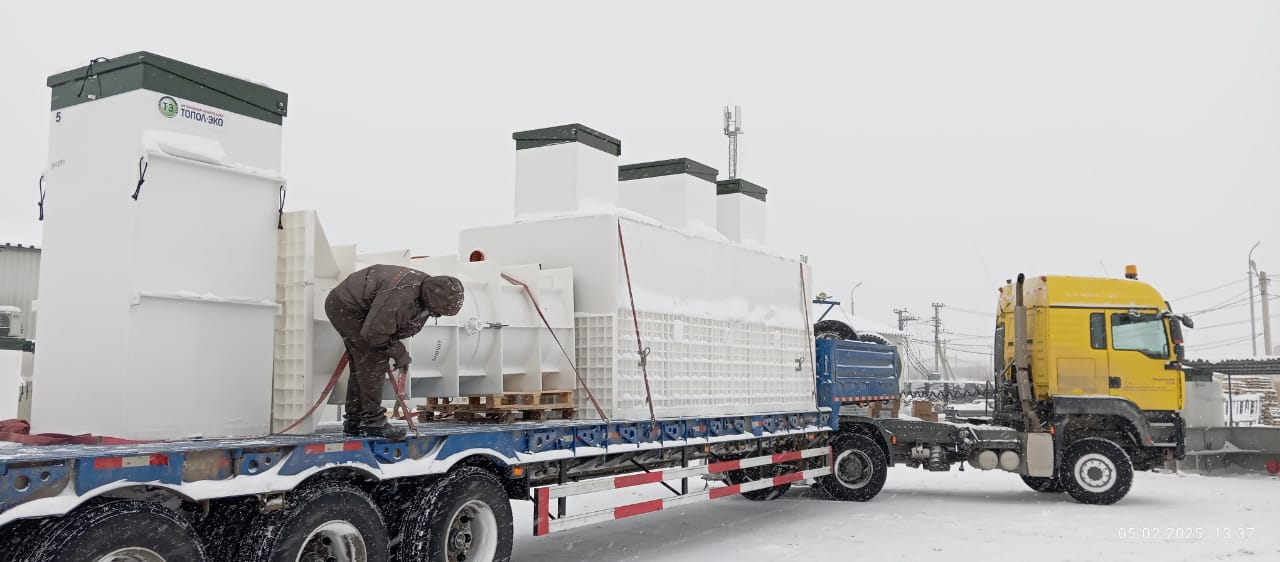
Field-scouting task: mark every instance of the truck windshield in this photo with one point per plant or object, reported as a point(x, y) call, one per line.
point(1144, 332)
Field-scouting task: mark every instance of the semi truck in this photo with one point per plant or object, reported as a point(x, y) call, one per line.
point(1088, 369)
point(1088, 384)
point(1075, 412)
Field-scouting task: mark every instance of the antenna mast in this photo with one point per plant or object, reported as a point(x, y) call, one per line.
point(733, 128)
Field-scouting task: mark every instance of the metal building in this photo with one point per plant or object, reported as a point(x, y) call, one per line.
point(19, 275)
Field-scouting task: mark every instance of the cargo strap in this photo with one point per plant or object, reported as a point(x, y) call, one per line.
point(324, 394)
point(401, 407)
point(88, 72)
point(804, 305)
point(635, 320)
point(538, 308)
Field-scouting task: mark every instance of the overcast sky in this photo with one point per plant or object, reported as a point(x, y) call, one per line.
point(926, 150)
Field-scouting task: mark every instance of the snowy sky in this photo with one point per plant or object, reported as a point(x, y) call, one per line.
point(926, 150)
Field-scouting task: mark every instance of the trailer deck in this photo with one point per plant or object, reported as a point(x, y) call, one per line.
point(50, 480)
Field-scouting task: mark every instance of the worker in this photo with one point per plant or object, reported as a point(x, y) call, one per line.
point(373, 310)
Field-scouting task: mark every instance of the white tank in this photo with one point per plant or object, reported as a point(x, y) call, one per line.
point(158, 297)
point(1009, 460)
point(985, 460)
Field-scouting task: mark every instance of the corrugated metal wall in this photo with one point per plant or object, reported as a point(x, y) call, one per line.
point(19, 275)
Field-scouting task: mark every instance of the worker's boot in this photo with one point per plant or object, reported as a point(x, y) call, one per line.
point(386, 431)
point(351, 427)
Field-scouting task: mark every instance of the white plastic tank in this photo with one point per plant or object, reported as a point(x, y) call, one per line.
point(157, 283)
point(724, 323)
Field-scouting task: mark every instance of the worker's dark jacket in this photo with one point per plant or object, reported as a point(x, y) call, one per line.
point(388, 298)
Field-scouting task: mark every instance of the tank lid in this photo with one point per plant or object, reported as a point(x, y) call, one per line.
point(573, 132)
point(149, 71)
point(667, 168)
point(739, 185)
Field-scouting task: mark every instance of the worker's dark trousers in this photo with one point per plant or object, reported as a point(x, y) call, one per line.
point(368, 367)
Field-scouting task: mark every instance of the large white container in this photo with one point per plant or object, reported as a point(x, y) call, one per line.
point(725, 324)
point(497, 343)
point(157, 311)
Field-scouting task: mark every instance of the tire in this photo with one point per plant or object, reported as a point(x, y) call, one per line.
point(317, 521)
point(1096, 471)
point(751, 474)
point(833, 330)
point(463, 517)
point(1049, 485)
point(117, 530)
point(859, 468)
point(872, 338)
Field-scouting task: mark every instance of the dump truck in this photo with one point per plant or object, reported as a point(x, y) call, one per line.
point(1088, 385)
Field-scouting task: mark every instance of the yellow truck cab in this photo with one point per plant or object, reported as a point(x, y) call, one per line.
point(1098, 337)
point(1096, 364)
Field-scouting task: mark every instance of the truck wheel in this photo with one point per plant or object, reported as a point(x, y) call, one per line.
point(321, 522)
point(1041, 484)
point(463, 517)
point(869, 337)
point(859, 468)
point(1096, 471)
point(117, 530)
point(833, 330)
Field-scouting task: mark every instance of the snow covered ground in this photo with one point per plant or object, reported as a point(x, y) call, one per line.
point(936, 516)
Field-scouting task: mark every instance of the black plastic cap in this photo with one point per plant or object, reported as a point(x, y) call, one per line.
point(574, 132)
point(738, 185)
point(667, 168)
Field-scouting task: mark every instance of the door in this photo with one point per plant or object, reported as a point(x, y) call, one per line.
point(1140, 351)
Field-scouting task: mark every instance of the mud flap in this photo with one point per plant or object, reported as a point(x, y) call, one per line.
point(1039, 454)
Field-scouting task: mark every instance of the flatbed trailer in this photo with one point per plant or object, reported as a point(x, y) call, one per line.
point(440, 494)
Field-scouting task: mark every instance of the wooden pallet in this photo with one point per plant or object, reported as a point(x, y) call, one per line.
point(505, 407)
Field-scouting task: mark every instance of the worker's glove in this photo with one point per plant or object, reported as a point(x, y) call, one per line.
point(400, 356)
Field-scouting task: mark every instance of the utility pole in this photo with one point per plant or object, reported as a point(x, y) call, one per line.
point(937, 332)
point(1253, 322)
point(733, 128)
point(904, 317)
point(1263, 283)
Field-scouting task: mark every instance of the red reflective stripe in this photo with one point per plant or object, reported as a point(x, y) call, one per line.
point(313, 449)
point(637, 479)
point(159, 460)
point(787, 479)
point(637, 509)
point(543, 519)
point(784, 457)
point(723, 466)
point(725, 491)
point(352, 446)
point(107, 463)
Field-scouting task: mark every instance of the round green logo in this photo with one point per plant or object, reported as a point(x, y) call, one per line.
point(168, 106)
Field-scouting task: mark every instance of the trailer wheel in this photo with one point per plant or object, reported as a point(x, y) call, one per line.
point(1049, 485)
point(322, 522)
point(463, 517)
point(858, 469)
point(833, 330)
point(1096, 471)
point(751, 474)
point(117, 531)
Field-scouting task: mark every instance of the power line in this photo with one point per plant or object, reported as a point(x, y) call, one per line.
point(1198, 293)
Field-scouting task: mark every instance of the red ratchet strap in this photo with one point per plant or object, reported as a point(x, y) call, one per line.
point(538, 308)
point(635, 320)
point(324, 394)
